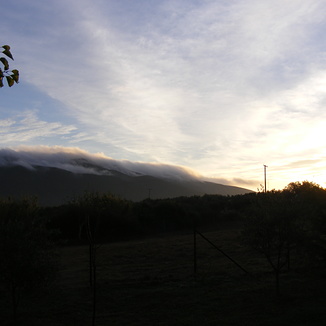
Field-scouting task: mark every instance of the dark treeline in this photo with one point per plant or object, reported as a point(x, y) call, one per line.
point(117, 219)
point(288, 228)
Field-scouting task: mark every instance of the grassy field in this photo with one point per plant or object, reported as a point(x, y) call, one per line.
point(152, 282)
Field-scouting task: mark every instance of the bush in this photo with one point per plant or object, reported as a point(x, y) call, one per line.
point(28, 259)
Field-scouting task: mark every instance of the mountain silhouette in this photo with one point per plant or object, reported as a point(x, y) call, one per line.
point(54, 186)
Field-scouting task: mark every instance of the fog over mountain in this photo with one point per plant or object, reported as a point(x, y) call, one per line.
point(78, 161)
point(57, 174)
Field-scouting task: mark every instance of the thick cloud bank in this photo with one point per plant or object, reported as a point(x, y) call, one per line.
point(79, 161)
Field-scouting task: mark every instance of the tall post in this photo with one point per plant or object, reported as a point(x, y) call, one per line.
point(265, 189)
point(195, 253)
point(195, 245)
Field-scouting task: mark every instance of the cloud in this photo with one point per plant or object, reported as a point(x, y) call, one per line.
point(76, 160)
point(215, 85)
point(26, 127)
point(251, 184)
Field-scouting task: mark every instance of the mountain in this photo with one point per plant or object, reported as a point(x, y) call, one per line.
point(58, 174)
point(54, 186)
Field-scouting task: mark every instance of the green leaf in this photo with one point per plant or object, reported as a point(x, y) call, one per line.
point(7, 52)
point(15, 75)
point(5, 63)
point(10, 81)
point(1, 83)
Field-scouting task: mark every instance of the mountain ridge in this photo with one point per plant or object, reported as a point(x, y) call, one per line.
point(55, 186)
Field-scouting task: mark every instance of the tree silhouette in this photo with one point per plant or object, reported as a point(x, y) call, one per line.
point(92, 207)
point(308, 200)
point(27, 255)
point(270, 229)
point(288, 223)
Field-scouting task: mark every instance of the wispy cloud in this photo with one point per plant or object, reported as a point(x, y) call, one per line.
point(219, 86)
point(26, 126)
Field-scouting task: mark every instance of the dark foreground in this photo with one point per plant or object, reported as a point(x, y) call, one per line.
point(152, 282)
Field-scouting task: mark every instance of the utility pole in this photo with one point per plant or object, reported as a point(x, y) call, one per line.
point(265, 166)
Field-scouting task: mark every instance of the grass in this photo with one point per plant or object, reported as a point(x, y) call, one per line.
point(151, 282)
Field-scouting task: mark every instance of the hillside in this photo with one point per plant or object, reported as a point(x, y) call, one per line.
point(54, 186)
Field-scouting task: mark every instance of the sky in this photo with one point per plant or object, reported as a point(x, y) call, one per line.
point(220, 87)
